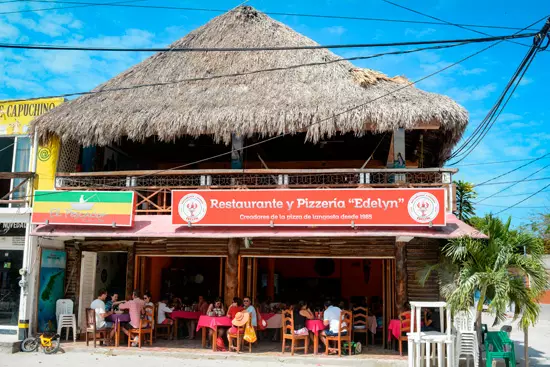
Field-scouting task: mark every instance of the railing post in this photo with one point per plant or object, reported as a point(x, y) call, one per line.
point(59, 182)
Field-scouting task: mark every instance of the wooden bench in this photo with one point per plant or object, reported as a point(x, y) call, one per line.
point(499, 345)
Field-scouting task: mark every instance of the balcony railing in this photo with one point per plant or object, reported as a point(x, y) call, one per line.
point(154, 188)
point(19, 189)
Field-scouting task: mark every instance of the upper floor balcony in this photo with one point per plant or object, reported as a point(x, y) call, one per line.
point(16, 189)
point(153, 187)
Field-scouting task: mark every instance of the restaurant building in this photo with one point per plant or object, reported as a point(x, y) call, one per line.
point(19, 163)
point(237, 173)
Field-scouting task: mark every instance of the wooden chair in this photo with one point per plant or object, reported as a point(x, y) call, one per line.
point(91, 328)
point(405, 322)
point(344, 334)
point(361, 323)
point(145, 327)
point(239, 338)
point(288, 333)
point(160, 327)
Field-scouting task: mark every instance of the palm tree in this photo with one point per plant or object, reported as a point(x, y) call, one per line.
point(465, 195)
point(499, 268)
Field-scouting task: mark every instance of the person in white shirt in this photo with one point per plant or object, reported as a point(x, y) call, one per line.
point(332, 320)
point(162, 311)
point(100, 314)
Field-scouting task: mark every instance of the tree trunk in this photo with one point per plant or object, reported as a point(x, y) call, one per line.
point(231, 270)
point(401, 276)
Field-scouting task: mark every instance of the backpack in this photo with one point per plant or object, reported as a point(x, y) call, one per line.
point(356, 347)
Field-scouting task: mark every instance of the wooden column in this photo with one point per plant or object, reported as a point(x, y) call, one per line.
point(231, 270)
point(249, 278)
point(271, 278)
point(401, 276)
point(130, 271)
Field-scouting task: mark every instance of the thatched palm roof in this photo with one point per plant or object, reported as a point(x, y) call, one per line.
point(267, 103)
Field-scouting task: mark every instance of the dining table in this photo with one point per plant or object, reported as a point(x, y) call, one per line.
point(212, 322)
point(186, 315)
point(315, 326)
point(116, 319)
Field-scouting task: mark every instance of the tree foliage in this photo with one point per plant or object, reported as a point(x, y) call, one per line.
point(465, 196)
point(499, 268)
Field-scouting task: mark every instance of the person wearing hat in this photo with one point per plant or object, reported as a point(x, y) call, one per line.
point(240, 320)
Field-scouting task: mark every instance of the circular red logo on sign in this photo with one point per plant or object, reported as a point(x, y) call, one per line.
point(423, 207)
point(192, 208)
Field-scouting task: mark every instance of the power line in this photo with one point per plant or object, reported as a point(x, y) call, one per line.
point(84, 5)
point(516, 181)
point(515, 169)
point(517, 207)
point(521, 201)
point(494, 162)
point(312, 124)
point(512, 185)
point(219, 76)
point(508, 196)
point(332, 117)
point(264, 48)
point(444, 21)
point(273, 13)
point(485, 126)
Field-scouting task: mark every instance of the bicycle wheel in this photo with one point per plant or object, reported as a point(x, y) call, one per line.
point(53, 348)
point(29, 345)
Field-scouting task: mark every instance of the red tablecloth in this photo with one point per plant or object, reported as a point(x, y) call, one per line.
point(315, 325)
point(185, 315)
point(124, 317)
point(393, 329)
point(213, 322)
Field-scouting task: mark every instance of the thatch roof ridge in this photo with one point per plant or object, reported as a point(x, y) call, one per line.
point(265, 103)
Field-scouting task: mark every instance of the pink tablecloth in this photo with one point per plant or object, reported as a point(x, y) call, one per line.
point(185, 315)
point(213, 322)
point(315, 325)
point(393, 329)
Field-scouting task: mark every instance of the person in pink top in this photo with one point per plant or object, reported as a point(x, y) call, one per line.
point(135, 308)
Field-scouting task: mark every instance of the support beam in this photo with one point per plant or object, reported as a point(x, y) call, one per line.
point(231, 270)
point(249, 278)
point(130, 270)
point(271, 278)
point(236, 151)
point(400, 276)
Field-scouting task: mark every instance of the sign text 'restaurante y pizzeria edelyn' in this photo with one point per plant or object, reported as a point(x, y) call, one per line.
point(359, 207)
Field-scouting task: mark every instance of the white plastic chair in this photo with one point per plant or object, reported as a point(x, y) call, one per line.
point(65, 317)
point(466, 338)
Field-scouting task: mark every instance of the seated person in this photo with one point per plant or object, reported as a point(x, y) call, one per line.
point(163, 309)
point(112, 304)
point(216, 308)
point(249, 307)
point(135, 307)
point(100, 313)
point(428, 322)
point(301, 313)
point(236, 306)
point(332, 320)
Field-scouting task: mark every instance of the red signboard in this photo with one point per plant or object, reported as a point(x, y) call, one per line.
point(355, 207)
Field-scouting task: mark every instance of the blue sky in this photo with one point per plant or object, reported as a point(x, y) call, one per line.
point(521, 132)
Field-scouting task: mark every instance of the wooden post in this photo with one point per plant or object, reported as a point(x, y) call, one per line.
point(130, 270)
point(231, 270)
point(142, 272)
point(400, 276)
point(255, 278)
point(249, 278)
point(220, 290)
point(271, 278)
point(137, 266)
point(384, 322)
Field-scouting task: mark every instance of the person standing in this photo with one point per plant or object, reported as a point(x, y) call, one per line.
point(101, 313)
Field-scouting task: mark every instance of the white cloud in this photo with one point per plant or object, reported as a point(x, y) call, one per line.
point(419, 34)
point(8, 31)
point(526, 81)
point(337, 30)
point(474, 71)
point(464, 95)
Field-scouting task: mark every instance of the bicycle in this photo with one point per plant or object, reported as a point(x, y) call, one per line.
point(49, 342)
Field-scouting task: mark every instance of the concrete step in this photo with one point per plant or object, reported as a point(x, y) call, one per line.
point(9, 344)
